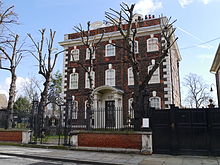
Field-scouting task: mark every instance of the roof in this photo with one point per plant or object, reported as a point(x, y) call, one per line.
point(216, 62)
point(3, 101)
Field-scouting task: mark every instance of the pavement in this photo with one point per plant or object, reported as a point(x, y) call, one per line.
point(89, 157)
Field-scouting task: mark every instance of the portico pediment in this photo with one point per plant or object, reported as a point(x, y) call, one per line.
point(104, 89)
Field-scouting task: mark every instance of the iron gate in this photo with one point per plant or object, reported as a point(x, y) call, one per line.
point(186, 131)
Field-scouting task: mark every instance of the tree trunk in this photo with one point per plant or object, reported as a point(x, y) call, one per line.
point(42, 105)
point(12, 93)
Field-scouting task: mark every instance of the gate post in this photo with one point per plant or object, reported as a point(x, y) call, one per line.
point(174, 144)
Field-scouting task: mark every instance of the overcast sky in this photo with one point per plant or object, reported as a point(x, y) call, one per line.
point(197, 23)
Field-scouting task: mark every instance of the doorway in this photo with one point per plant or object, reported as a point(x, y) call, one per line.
point(110, 113)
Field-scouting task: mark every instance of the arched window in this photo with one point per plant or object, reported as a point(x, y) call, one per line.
point(74, 80)
point(110, 76)
point(87, 82)
point(130, 108)
point(135, 46)
point(74, 55)
point(152, 44)
point(130, 76)
point(109, 50)
point(75, 109)
point(86, 108)
point(155, 102)
point(156, 75)
point(88, 53)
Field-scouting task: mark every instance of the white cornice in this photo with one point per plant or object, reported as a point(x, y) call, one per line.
point(111, 35)
point(216, 62)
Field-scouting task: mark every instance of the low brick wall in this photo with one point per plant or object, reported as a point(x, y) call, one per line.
point(131, 141)
point(15, 136)
point(141, 141)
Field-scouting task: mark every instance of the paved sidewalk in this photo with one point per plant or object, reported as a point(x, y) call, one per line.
point(107, 158)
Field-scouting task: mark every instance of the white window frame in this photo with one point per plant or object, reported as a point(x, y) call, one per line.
point(153, 104)
point(152, 44)
point(136, 50)
point(110, 79)
point(156, 75)
point(87, 83)
point(75, 112)
point(130, 108)
point(130, 76)
point(88, 54)
point(74, 55)
point(71, 81)
point(85, 109)
point(107, 50)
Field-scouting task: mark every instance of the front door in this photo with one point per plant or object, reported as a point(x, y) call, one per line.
point(109, 114)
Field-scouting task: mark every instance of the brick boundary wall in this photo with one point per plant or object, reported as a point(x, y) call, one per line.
point(11, 136)
point(110, 140)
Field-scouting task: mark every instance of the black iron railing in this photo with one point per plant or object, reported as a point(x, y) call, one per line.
point(102, 119)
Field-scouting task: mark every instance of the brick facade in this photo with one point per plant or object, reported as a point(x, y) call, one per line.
point(167, 89)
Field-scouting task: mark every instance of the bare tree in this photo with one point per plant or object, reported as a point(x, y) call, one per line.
point(129, 32)
point(198, 93)
point(46, 56)
point(92, 44)
point(12, 53)
point(7, 17)
point(31, 87)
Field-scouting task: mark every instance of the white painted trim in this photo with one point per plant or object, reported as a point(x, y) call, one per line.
point(106, 82)
point(77, 55)
point(70, 86)
point(143, 31)
point(149, 49)
point(156, 98)
point(130, 79)
point(107, 55)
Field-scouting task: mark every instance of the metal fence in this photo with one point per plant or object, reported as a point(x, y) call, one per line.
point(101, 119)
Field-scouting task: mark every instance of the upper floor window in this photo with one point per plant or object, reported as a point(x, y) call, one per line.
point(130, 76)
point(74, 55)
point(109, 50)
point(74, 80)
point(85, 112)
point(135, 46)
point(156, 75)
point(90, 51)
point(130, 108)
point(155, 102)
point(75, 110)
point(152, 44)
point(87, 81)
point(110, 76)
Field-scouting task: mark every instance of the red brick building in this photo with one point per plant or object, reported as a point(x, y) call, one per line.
point(112, 72)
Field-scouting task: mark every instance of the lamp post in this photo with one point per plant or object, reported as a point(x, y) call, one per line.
point(69, 105)
point(35, 112)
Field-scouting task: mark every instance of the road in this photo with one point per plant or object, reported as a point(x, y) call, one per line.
point(12, 160)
